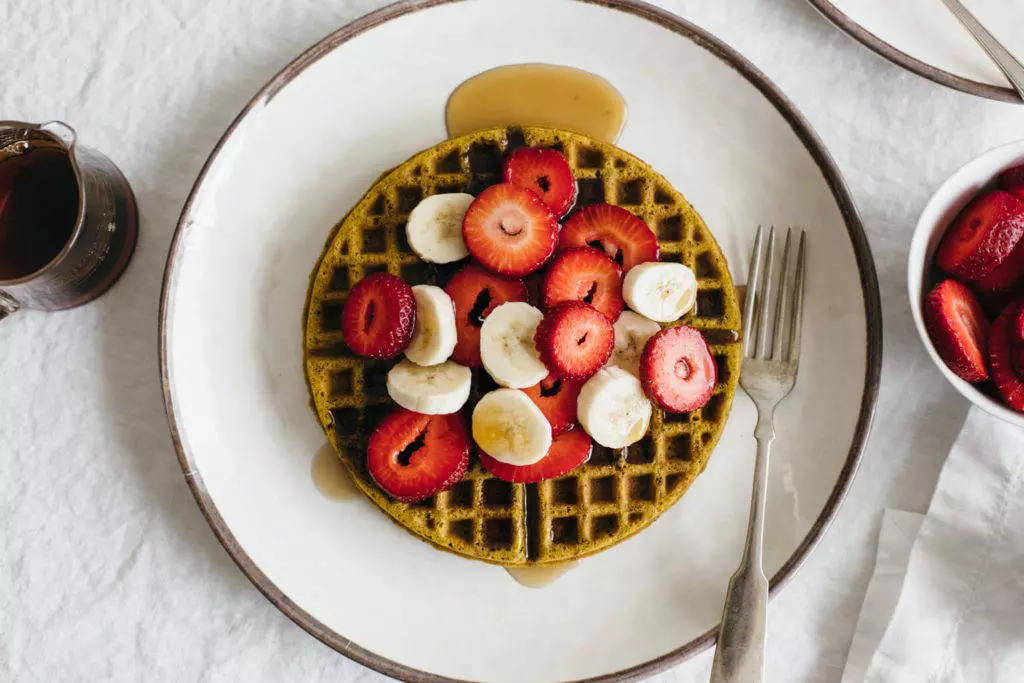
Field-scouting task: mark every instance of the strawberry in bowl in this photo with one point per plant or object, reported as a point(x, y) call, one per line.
point(966, 281)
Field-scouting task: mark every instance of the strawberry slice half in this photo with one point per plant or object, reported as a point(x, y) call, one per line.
point(1016, 333)
point(1007, 276)
point(1009, 383)
point(623, 236)
point(509, 230)
point(379, 316)
point(568, 451)
point(982, 236)
point(958, 329)
point(556, 397)
point(677, 370)
point(547, 173)
point(574, 340)
point(1012, 181)
point(476, 292)
point(413, 456)
point(588, 275)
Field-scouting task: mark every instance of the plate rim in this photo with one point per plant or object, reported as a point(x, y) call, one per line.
point(811, 142)
point(843, 22)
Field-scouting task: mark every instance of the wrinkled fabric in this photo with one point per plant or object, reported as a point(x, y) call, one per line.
point(945, 600)
point(108, 570)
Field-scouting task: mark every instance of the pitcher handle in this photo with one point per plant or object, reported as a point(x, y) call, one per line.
point(8, 305)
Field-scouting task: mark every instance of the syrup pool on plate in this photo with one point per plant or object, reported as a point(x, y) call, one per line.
point(537, 95)
point(330, 476)
point(538, 577)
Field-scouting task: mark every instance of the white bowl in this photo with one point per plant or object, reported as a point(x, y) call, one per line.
point(943, 207)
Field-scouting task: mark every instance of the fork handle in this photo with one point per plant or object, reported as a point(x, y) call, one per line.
point(739, 657)
point(1003, 58)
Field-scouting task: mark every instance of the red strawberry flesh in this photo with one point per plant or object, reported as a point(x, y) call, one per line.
point(1012, 181)
point(413, 456)
point(574, 340)
point(509, 230)
point(379, 316)
point(568, 451)
point(677, 370)
point(1007, 277)
point(623, 236)
point(547, 173)
point(556, 397)
point(476, 292)
point(588, 275)
point(1009, 384)
point(958, 329)
point(982, 236)
point(1016, 334)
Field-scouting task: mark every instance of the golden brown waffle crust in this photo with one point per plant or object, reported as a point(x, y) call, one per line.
point(616, 493)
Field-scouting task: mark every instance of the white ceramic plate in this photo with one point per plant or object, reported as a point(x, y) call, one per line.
point(922, 35)
point(299, 156)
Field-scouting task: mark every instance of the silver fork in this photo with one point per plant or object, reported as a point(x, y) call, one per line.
point(771, 351)
point(1002, 57)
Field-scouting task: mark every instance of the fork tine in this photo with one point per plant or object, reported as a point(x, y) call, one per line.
point(753, 274)
point(783, 299)
point(798, 300)
point(764, 336)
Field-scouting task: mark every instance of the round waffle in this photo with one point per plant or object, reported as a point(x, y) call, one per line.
point(613, 495)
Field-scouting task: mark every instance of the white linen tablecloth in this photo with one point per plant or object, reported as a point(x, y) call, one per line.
point(107, 569)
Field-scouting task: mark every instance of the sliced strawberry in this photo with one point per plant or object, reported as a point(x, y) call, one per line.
point(568, 451)
point(509, 230)
point(1007, 276)
point(588, 275)
point(994, 303)
point(547, 173)
point(574, 340)
point(1012, 181)
point(982, 236)
point(556, 397)
point(623, 236)
point(1016, 333)
point(379, 316)
point(1009, 383)
point(958, 328)
point(476, 292)
point(677, 370)
point(413, 456)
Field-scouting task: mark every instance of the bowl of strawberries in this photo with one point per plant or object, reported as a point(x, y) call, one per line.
point(966, 281)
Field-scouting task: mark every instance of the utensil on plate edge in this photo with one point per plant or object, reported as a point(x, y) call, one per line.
point(771, 354)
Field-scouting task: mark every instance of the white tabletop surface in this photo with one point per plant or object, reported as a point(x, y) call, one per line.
point(108, 570)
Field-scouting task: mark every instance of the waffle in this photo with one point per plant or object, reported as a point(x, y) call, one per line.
point(610, 497)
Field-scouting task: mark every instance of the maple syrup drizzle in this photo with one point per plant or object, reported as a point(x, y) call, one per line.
point(539, 577)
point(331, 477)
point(537, 95)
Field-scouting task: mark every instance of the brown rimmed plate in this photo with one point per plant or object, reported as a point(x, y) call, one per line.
point(296, 159)
point(922, 36)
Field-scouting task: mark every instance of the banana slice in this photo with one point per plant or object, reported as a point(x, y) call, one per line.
point(660, 290)
point(506, 345)
point(510, 428)
point(613, 409)
point(434, 337)
point(434, 227)
point(631, 334)
point(435, 390)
